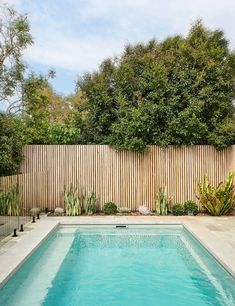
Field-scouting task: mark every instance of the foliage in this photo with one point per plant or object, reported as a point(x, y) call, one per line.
point(130, 131)
point(91, 204)
point(161, 202)
point(99, 110)
point(73, 200)
point(178, 209)
point(176, 92)
point(41, 114)
point(217, 200)
point(110, 208)
point(61, 133)
point(35, 111)
point(190, 208)
point(10, 201)
point(11, 143)
point(14, 37)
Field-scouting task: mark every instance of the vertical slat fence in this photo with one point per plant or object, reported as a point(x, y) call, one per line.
point(127, 178)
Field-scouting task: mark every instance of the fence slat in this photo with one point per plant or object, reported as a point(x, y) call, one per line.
point(128, 178)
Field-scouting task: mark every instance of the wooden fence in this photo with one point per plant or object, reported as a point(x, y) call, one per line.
point(127, 178)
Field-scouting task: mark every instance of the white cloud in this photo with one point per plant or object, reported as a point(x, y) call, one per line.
point(77, 35)
point(73, 54)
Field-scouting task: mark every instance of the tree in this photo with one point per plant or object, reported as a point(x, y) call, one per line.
point(11, 143)
point(14, 38)
point(176, 92)
point(47, 117)
point(98, 111)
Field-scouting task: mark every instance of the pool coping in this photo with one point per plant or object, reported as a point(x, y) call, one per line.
point(27, 242)
point(24, 245)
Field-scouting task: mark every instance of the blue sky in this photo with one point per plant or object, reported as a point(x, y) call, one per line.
point(74, 36)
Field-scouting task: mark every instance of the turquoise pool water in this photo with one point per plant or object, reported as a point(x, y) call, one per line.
point(107, 266)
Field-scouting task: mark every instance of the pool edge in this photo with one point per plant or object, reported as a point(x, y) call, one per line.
point(25, 247)
point(215, 248)
point(28, 242)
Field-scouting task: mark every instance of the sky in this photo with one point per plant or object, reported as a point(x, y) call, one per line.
point(74, 36)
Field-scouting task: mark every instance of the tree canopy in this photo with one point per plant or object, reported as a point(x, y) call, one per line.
point(176, 92)
point(47, 117)
point(179, 91)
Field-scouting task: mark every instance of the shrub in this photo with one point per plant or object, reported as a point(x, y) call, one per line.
point(161, 202)
point(73, 200)
point(217, 200)
point(10, 201)
point(91, 204)
point(178, 209)
point(110, 208)
point(190, 208)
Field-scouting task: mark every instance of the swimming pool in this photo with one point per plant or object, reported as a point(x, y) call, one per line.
point(132, 266)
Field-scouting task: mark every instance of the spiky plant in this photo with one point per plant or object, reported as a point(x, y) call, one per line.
point(73, 200)
point(217, 200)
point(91, 204)
point(10, 201)
point(161, 203)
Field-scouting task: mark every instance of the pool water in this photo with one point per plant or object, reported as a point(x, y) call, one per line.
point(107, 266)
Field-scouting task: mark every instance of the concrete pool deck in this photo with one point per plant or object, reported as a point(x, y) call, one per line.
point(217, 235)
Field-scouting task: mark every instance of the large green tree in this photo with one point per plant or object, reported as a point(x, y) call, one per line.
point(176, 92)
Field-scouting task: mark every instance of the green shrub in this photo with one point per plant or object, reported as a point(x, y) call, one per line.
point(161, 202)
point(91, 204)
point(217, 200)
point(10, 201)
point(110, 208)
point(73, 200)
point(190, 208)
point(178, 209)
